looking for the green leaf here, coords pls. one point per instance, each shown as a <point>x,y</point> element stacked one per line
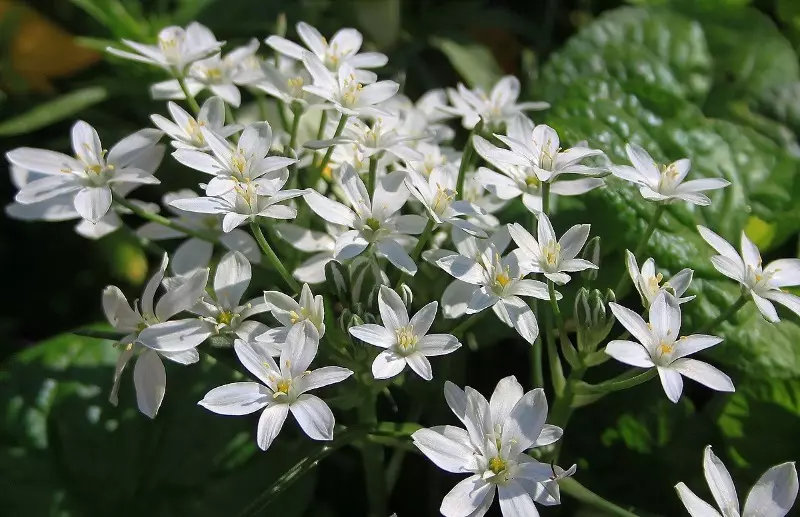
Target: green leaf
<point>473,62</point>
<point>655,47</point>
<point>58,427</point>
<point>64,107</point>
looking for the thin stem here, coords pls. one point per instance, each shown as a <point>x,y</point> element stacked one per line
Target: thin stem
<point>423,239</point>
<point>562,328</point>
<point>229,116</point>
<point>282,117</point>
<point>396,461</point>
<point>323,121</point>
<point>372,460</point>
<point>263,108</point>
<point>190,100</point>
<point>556,369</point>
<point>300,469</point>
<point>466,157</point>
<point>329,152</point>
<point>725,316</point>
<point>640,246</point>
<point>574,489</point>
<point>373,174</point>
<point>160,219</point>
<point>297,113</point>
<point>536,363</point>
<point>619,383</point>
<point>462,327</point>
<point>272,258</point>
<point>545,199</point>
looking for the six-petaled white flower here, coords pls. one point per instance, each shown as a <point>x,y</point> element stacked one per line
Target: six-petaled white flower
<point>554,258</point>
<point>665,183</point>
<point>291,313</point>
<point>773,495</point>
<point>765,284</point>
<point>496,108</point>
<point>285,387</point>
<point>185,129</point>
<point>659,345</point>
<point>406,341</point>
<point>649,284</point>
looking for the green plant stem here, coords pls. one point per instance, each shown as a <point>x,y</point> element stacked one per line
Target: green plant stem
<point>562,328</point>
<point>296,114</point>
<point>537,369</point>
<point>556,369</point>
<point>190,100</point>
<point>421,242</point>
<point>272,258</point>
<point>562,409</point>
<point>459,330</point>
<point>282,117</point>
<point>396,461</point>
<point>620,383</point>
<point>329,152</point>
<point>323,121</point>
<point>545,199</point>
<point>466,157</point>
<point>261,100</point>
<point>372,460</point>
<point>373,173</point>
<point>622,284</point>
<point>160,219</point>
<point>300,469</point>
<point>230,118</point>
<point>577,491</point>
<point>725,316</point>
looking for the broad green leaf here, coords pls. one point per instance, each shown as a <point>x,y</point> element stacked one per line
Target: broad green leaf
<point>657,47</point>
<point>58,427</point>
<point>64,107</point>
<point>473,62</point>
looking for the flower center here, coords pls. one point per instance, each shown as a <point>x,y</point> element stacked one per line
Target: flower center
<point>282,388</point>
<point>503,278</point>
<point>532,181</point>
<point>239,162</point>
<point>497,464</point>
<point>406,339</point>
<point>442,199</point>
<point>352,90</point>
<point>666,348</point>
<point>373,224</point>
<point>214,74</point>
<point>225,317</point>
<point>194,131</point>
<point>295,86</point>
<point>551,253</point>
<point>294,317</point>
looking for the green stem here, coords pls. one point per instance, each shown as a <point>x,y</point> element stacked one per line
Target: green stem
<point>574,489</point>
<point>229,116</point>
<point>297,113</point>
<point>160,219</point>
<point>263,108</point>
<point>372,460</point>
<point>536,363</point>
<point>300,469</point>
<point>466,157</point>
<point>622,382</point>
<point>471,319</point>
<point>373,174</point>
<point>323,121</point>
<point>423,239</point>
<point>282,117</point>
<point>545,199</point>
<point>329,152</point>
<point>190,100</point>
<point>562,408</point>
<point>272,258</point>
<point>640,246</point>
<point>733,309</point>
<point>562,328</point>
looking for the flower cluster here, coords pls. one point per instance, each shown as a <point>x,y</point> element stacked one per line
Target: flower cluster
<point>378,197</point>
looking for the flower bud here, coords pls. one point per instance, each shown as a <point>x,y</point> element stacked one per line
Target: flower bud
<point>406,295</point>
<point>591,252</point>
<point>337,280</point>
<point>594,318</point>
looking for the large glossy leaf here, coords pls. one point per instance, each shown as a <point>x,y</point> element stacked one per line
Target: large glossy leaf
<point>73,454</point>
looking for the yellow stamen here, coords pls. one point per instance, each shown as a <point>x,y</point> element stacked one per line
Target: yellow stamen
<point>497,464</point>
<point>406,339</point>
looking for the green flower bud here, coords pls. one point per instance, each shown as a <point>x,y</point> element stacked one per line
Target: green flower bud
<point>591,252</point>
<point>594,318</point>
<point>337,280</point>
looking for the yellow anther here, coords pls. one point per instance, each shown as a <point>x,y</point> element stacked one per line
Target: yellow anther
<point>497,464</point>
<point>373,224</point>
<point>442,199</point>
<point>532,181</point>
<point>214,74</point>
<point>327,173</point>
<point>666,348</point>
<point>225,318</point>
<point>282,387</point>
<point>406,339</point>
<point>503,279</point>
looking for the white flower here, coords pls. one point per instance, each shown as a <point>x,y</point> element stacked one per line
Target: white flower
<point>373,140</point>
<point>433,156</point>
<point>554,258</point>
<point>665,183</point>
<point>648,283</point>
<point>291,313</point>
<point>659,346</point>
<point>149,376</point>
<point>185,129</point>
<point>176,48</point>
<point>89,178</point>
<point>492,450</point>
<point>285,82</point>
<point>425,118</point>
<point>222,74</point>
<point>537,147</point>
<point>235,164</point>
<point>222,313</point>
<point>374,221</point>
<point>321,244</point>
<point>342,50</point>
<point>772,496</point>
<point>195,253</point>
<point>246,202</point>
<point>498,107</point>
<point>344,90</point>
<point>498,283</point>
<point>285,388</point>
<point>764,283</point>
<point>437,193</point>
<point>406,342</point>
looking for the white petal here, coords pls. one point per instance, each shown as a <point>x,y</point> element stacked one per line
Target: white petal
<point>395,254</point>
<point>730,268</point>
<point>393,311</point>
<point>423,319</point>
<point>550,434</point>
<point>633,323</point>
<point>672,382</point>
<point>191,255</point>
<point>324,376</point>
<point>630,353</point>
<point>463,268</point>
<point>643,163</point>
<point>92,203</point>
<point>231,279</point>
<point>175,336</point>
<point>314,416</point>
<point>257,359</point>
<point>238,398</point>
<point>387,365</point>
<point>532,288</point>
<point>774,493</point>
<point>374,335</point>
<point>150,380</point>
<point>522,318</point>
<point>721,245</point>
<point>455,298</point>
<point>270,424</point>
<point>688,345</point>
<point>438,344</point>
<point>42,161</point>
<point>525,421</point>
<point>446,453</point>
<point>785,272</point>
<point>350,244</point>
<point>420,364</point>
<point>766,308</point>
<point>720,482</point>
<point>301,347</point>
<point>232,220</point>
<point>788,300</point>
<point>703,373</point>
<point>504,397</point>
<point>183,297</point>
<point>694,505</point>
<point>515,501</point>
